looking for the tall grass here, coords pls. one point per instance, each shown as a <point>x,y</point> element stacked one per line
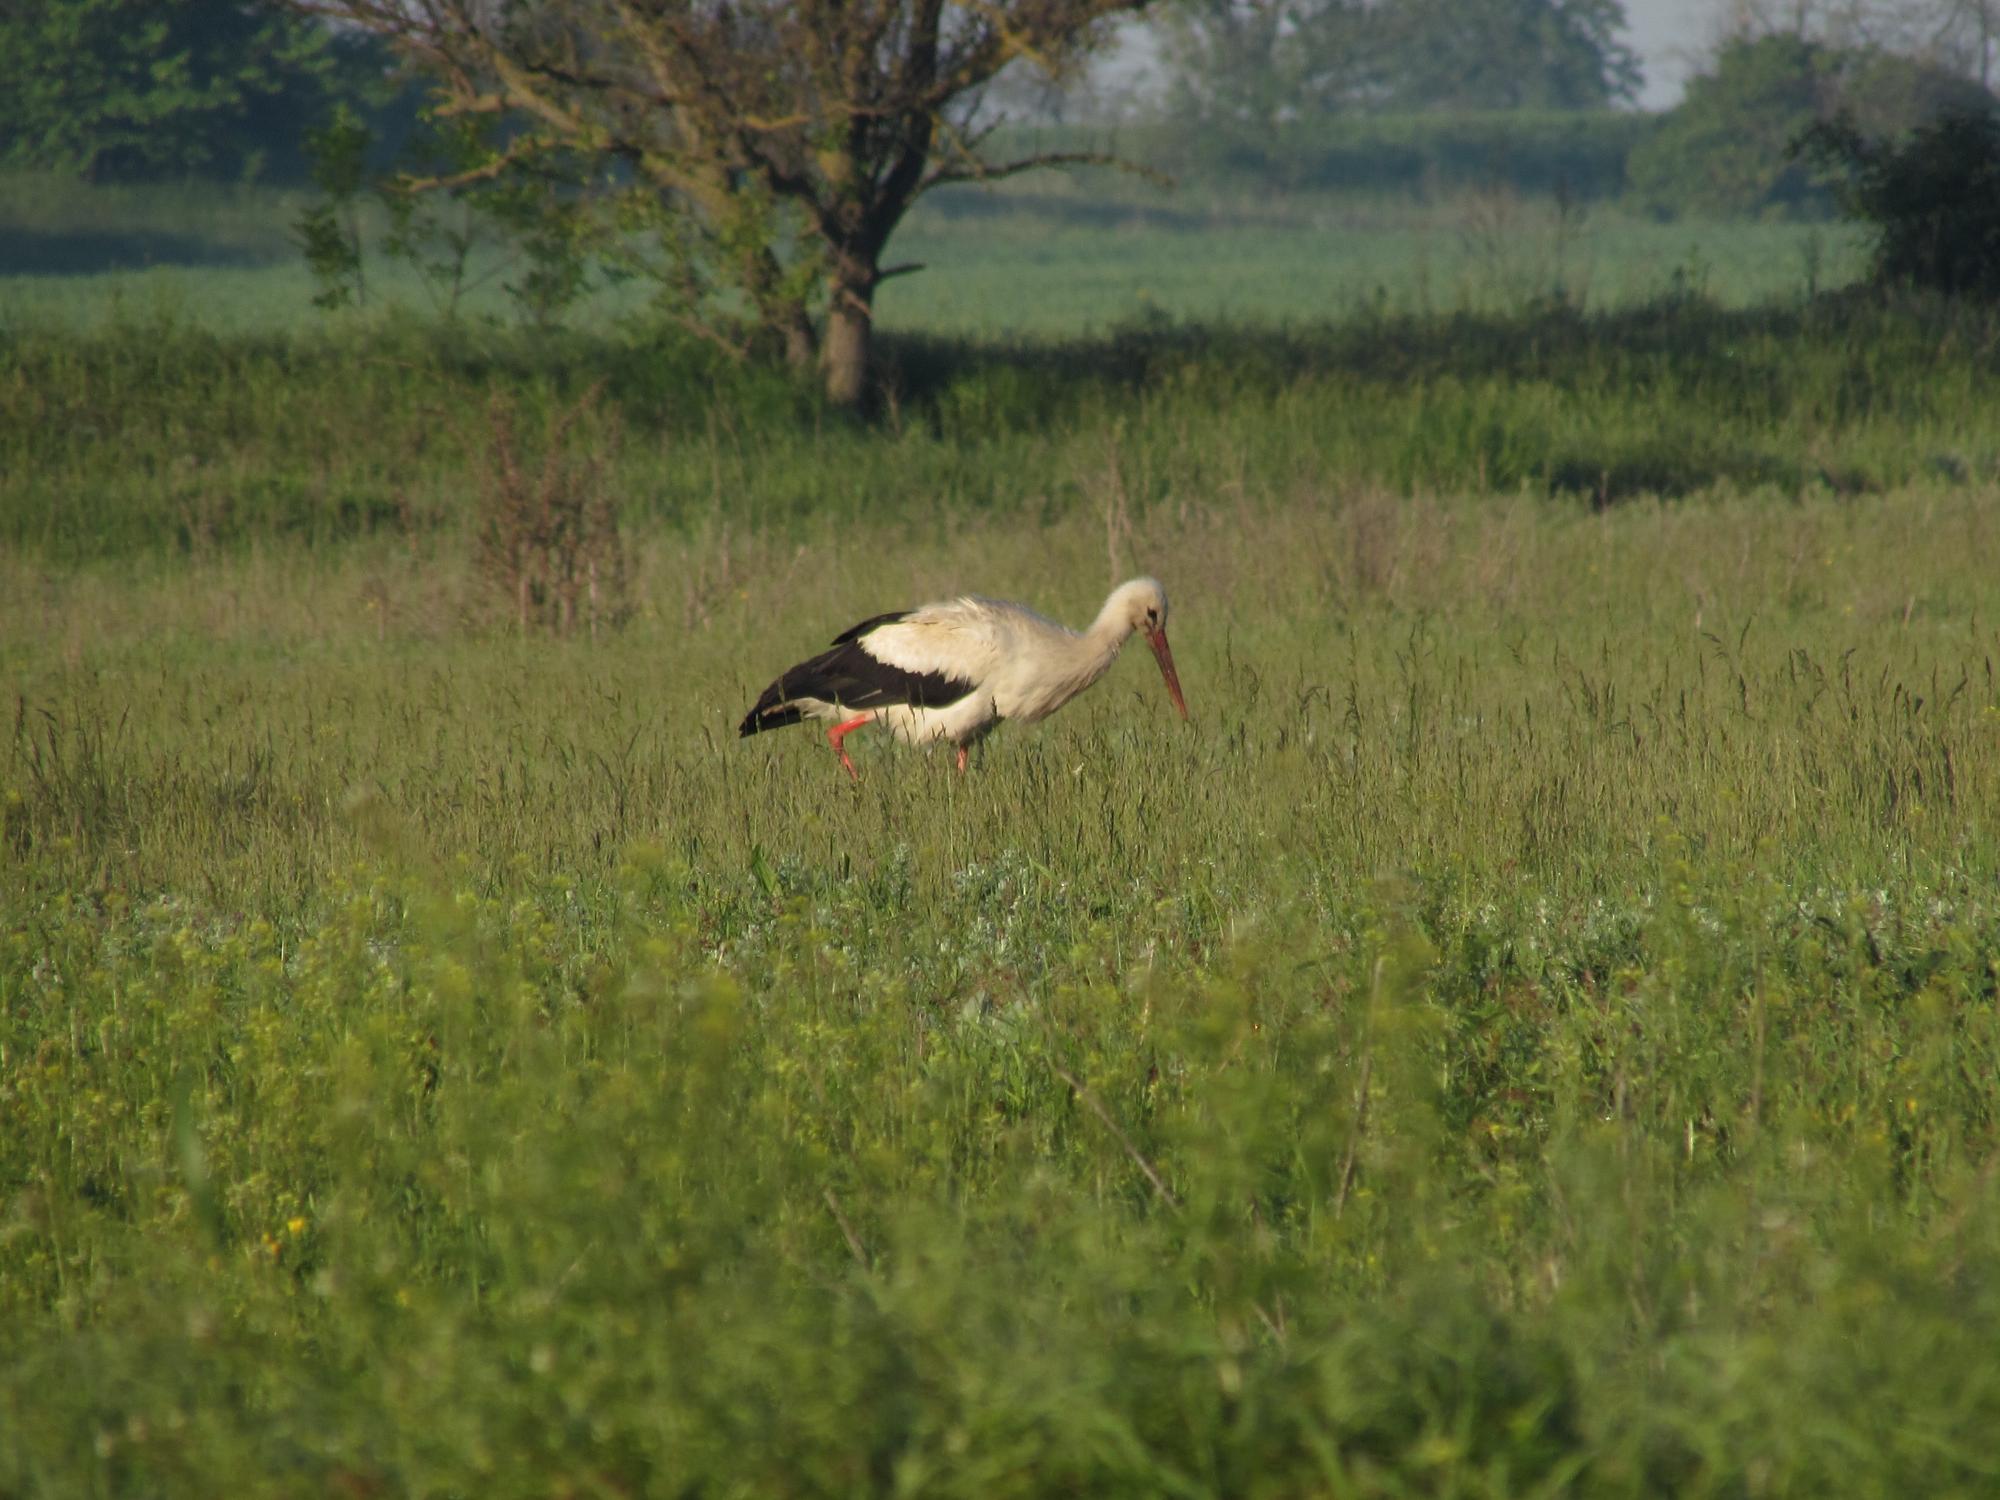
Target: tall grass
<point>1532,1032</point>
<point>1494,687</point>
<point>144,438</point>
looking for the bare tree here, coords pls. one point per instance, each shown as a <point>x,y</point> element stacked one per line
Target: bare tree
<point>769,147</point>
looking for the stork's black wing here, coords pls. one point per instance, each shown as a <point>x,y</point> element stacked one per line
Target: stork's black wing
<point>873,622</point>
<point>853,677</point>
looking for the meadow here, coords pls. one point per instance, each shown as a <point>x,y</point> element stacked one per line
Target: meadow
<point>1532,1032</point>
<point>1049,257</point>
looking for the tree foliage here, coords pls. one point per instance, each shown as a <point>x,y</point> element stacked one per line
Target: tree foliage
<point>1933,198</point>
<point>1267,65</point>
<point>1508,54</point>
<point>1258,66</point>
<point>1955,36</point>
<point>1726,149</point>
<point>138,88</point>
<point>753,157</point>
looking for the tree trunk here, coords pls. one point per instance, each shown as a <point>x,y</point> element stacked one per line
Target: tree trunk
<point>850,330</point>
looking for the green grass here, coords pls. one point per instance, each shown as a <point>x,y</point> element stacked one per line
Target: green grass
<point>1533,1032</point>
<point>1054,256</point>
<point>1550,980</point>
<point>120,443</point>
<point>1060,262</point>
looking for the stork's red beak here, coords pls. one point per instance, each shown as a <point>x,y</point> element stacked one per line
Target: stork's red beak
<point>1158,639</point>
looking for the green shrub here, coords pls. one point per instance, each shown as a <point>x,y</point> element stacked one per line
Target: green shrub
<point>1726,150</point>
<point>1933,199</point>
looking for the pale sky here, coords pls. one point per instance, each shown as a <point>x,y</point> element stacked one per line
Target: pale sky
<point>1667,35</point>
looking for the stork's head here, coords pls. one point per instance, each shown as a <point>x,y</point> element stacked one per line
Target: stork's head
<point>1142,604</point>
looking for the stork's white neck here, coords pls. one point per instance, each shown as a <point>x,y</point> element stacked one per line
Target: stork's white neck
<point>1098,646</point>
<point>1111,628</point>
<point>1060,662</point>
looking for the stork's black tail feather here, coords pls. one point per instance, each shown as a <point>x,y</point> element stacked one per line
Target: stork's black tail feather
<point>768,714</point>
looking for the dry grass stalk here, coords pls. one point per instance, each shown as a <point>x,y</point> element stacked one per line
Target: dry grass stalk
<point>548,539</point>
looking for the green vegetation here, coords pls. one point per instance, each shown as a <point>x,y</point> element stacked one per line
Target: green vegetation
<point>1067,257</point>
<point>750,170</point>
<point>1581,153</point>
<point>1730,148</point>
<point>1551,984</point>
<point>1254,70</point>
<point>1932,199</point>
<point>112,91</point>
<point>1047,268</point>
<point>131,442</point>
<point>1533,1032</point>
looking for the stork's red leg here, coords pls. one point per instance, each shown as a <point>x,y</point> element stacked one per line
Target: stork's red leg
<point>838,733</point>
<point>961,760</point>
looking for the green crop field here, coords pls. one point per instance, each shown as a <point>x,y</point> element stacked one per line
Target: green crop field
<point>1061,257</point>
<point>1532,1032</point>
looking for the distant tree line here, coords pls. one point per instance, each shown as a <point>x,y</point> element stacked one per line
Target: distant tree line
<point>1729,148</point>
<point>1268,65</point>
<point>1726,151</point>
<point>1533,95</point>
<point>1375,95</point>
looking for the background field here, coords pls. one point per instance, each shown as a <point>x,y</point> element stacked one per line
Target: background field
<point>1533,1032</point>
<point>1055,256</point>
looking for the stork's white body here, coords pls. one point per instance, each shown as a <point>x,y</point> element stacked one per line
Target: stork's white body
<point>1023,665</point>
<point>948,672</point>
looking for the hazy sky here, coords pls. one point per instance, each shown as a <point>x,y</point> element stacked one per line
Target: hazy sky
<point>1664,33</point>
<point>1668,35</point>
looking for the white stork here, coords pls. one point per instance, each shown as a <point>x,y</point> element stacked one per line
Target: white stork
<point>952,670</point>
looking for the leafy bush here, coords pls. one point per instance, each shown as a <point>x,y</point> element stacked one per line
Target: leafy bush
<point>1726,149</point>
<point>1933,198</point>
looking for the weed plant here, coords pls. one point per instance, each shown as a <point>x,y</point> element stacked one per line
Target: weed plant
<point>1534,1032</point>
